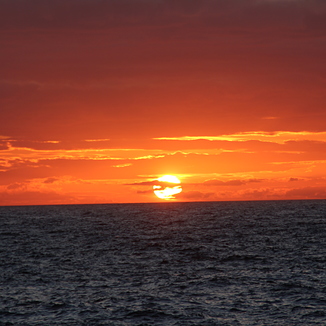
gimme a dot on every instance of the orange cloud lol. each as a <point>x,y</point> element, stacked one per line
<point>278,137</point>
<point>240,182</point>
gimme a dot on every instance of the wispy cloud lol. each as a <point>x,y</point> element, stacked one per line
<point>279,137</point>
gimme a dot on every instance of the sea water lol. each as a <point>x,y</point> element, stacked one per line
<point>213,263</point>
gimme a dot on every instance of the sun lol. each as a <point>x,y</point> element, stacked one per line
<point>167,187</point>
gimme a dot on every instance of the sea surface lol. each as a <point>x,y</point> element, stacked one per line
<point>213,263</point>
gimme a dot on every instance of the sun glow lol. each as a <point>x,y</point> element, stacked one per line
<point>167,187</point>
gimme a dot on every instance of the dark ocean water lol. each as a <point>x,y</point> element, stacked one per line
<point>215,263</point>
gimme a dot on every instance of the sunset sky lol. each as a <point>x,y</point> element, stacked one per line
<point>98,98</point>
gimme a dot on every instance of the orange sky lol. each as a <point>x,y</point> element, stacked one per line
<point>99,98</point>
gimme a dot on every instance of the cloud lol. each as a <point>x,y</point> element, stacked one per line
<point>279,137</point>
<point>196,195</point>
<point>63,190</point>
<point>35,197</point>
<point>17,185</point>
<point>3,146</point>
<point>163,184</point>
<point>144,192</point>
<point>143,183</point>
<point>307,193</point>
<point>263,193</point>
<point>50,180</point>
<point>237,182</point>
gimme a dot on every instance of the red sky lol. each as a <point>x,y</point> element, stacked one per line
<point>100,97</point>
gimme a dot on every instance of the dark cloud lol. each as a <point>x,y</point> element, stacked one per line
<point>144,183</point>
<point>17,185</point>
<point>310,146</point>
<point>162,184</point>
<point>3,146</point>
<point>50,180</point>
<point>144,192</point>
<point>34,197</point>
<point>23,173</point>
<point>307,193</point>
<point>196,195</point>
<point>260,194</point>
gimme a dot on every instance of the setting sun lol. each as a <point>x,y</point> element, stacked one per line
<point>167,187</point>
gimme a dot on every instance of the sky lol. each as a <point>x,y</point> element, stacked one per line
<point>99,98</point>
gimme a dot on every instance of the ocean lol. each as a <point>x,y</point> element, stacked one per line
<point>207,263</point>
